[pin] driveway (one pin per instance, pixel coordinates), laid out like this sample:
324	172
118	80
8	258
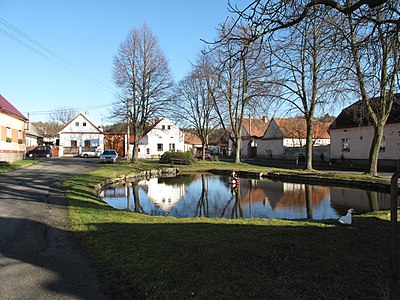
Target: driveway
38	256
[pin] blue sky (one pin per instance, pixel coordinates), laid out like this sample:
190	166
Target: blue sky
83	37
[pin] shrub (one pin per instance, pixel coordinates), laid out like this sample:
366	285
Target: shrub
167	156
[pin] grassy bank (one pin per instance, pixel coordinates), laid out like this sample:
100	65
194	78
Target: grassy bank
6	167
168	258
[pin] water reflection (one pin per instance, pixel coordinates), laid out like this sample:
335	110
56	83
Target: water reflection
212	196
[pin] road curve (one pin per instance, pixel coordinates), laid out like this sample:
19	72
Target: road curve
38	256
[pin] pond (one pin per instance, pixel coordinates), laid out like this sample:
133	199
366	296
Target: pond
205	195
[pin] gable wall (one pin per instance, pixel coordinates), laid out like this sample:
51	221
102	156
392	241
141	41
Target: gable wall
359	147
165	136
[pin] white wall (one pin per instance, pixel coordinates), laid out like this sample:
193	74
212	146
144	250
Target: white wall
361	139
165	133
11	151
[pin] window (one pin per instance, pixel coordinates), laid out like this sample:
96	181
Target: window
382	148
84	124
159	147
171	147
169	127
76	124
8	135
20	140
87	144
148	150
74	144
163	127
345	145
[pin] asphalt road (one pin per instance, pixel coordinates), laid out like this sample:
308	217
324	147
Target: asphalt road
38	256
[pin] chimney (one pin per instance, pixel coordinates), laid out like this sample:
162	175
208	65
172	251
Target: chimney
265	119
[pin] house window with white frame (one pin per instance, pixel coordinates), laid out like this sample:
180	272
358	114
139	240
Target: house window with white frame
159	147
163	127
172	147
382	147
84	124
9	135
74	143
345	144
20	137
76	124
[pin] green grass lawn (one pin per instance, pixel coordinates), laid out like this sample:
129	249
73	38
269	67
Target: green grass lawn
6	167
168	258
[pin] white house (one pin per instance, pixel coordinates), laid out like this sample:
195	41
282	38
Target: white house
78	135
163	136
12	132
286	138
352	134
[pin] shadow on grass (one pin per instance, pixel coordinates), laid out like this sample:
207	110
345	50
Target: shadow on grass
176	259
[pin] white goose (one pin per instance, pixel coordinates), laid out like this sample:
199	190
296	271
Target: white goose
347	218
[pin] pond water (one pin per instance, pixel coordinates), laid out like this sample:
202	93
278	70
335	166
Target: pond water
204	195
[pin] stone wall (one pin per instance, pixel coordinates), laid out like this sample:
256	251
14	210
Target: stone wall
11	157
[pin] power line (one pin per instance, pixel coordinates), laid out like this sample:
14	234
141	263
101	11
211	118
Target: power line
45	52
86	108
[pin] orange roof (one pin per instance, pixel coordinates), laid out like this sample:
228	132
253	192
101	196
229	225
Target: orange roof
296	128
255	127
192	139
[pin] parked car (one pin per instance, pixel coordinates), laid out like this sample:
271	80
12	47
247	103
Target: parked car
109	155
44	151
91	153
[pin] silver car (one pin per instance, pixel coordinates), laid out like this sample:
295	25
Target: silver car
91	153
109	155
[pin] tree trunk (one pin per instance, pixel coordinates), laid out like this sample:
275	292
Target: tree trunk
237	151
135	152
374	150
203	151
309	146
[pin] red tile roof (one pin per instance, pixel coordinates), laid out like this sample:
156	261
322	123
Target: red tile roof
296	128
255	127
9	108
192	139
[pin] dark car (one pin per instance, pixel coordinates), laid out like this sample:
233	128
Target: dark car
40	151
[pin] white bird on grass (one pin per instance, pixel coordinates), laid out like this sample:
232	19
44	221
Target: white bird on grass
347	218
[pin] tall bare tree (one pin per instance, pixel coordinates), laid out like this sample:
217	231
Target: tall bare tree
307	67
194	102
241	72
63	115
374	51
142	74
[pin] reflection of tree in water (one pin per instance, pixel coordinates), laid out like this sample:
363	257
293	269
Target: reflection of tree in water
309	206
202	207
237	211
135	192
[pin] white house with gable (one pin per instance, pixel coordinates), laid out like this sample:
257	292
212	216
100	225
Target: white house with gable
163	136
79	135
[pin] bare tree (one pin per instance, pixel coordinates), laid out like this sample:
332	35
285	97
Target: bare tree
241	72
63	115
143	76
374	50
307	67
265	17
194	102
